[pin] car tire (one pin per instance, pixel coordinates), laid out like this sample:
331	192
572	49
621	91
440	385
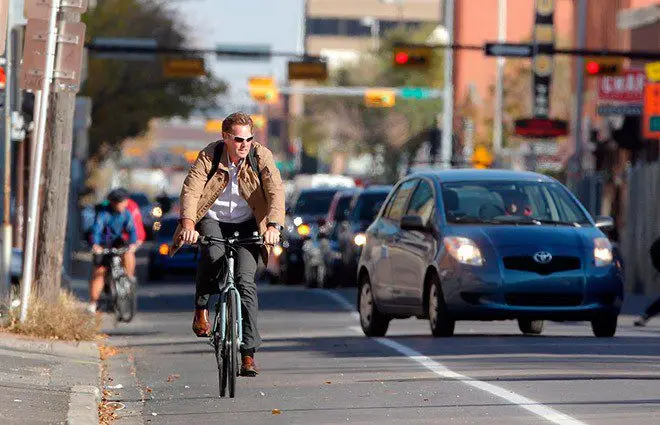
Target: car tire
441	323
604	326
373	322
530	327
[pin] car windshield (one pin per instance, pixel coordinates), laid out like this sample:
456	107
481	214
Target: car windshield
342	208
507	202
314	203
367	206
140	199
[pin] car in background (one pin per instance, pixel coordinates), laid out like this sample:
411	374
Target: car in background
321	251
149	211
364	207
305	214
159	261
487	245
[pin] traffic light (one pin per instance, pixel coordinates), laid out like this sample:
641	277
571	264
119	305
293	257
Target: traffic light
379	98
600	67
418	57
3	78
263	89
482	158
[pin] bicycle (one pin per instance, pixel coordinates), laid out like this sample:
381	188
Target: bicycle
227	333
122	289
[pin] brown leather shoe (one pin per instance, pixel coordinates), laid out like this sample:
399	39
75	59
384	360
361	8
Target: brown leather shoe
201	325
249	367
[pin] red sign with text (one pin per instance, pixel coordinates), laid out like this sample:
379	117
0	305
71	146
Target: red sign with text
628	87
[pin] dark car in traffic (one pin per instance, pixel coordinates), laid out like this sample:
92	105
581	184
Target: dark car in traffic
160	263
487	245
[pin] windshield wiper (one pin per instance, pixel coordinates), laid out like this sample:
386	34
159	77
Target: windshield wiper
470	219
537	221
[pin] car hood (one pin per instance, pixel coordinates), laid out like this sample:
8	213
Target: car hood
529	235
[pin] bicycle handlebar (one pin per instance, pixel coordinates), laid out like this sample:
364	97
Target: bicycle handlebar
115	251
207	240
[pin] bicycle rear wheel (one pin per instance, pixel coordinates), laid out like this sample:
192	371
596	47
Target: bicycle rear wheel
126	299
232	347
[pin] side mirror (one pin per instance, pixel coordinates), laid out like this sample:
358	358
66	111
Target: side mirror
413	222
605	223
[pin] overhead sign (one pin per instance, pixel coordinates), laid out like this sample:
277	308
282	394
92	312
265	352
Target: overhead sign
379	98
263	89
40	9
117	48
628	87
625	109
652	71
651	116
242	52
183	67
509	49
540	128
308	70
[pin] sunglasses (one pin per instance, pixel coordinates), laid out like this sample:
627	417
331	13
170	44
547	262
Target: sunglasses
241	139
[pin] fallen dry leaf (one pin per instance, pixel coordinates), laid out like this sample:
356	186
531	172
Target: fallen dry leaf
171	378
149	390
276	412
328	382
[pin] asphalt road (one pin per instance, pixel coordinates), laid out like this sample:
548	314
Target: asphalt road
318	368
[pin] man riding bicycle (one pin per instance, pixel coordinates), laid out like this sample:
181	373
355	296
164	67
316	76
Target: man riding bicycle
233	186
114	227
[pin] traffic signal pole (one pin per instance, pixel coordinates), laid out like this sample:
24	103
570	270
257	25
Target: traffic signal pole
446	148
576	163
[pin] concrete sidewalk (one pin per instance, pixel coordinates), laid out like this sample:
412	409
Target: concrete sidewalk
48	382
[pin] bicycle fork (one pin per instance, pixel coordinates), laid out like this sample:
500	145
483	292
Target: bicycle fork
230	291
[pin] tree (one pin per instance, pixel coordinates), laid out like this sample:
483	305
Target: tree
356	128
127	94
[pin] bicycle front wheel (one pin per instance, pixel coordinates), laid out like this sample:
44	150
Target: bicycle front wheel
220	356
232	344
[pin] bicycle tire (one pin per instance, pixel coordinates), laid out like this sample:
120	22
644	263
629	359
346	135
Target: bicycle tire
220	354
124	301
232	337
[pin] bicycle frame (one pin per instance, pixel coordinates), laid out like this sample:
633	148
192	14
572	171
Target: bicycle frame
221	306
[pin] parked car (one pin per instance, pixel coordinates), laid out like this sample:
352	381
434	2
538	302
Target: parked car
160	262
487	245
321	251
306	212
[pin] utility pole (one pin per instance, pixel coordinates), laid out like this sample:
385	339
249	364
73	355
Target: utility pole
5	279
54	130
499	93
576	163
448	100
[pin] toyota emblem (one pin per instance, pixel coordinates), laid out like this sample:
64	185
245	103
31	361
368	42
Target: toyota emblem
542	257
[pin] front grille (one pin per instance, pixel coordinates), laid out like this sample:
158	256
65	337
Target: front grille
543	300
527	264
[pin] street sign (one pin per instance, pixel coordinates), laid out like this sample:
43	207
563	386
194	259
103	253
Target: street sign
379	98
308	70
183	67
651	116
626	109
68	62
540	128
415	93
509	49
652	71
263	89
628	88
416	57
243	52
40	9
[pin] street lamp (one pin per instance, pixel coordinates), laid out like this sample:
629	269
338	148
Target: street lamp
374	25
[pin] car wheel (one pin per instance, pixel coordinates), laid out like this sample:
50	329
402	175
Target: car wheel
530	327
604	326
373	322
442	325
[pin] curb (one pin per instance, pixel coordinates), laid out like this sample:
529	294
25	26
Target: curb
87	349
83	405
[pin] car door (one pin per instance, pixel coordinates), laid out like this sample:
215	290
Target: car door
393	249
414	247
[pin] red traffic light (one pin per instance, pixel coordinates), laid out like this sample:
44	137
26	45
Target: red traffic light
401	58
593	67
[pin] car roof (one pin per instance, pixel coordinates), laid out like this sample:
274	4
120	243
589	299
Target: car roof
376	189
465	174
324	189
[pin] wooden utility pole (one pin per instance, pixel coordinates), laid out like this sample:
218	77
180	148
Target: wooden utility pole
56	181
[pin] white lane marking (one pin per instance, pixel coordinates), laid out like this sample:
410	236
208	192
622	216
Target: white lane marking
439	369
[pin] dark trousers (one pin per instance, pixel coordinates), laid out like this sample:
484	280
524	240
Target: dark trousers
212	265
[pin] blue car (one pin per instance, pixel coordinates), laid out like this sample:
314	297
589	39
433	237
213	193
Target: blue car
160	261
487	245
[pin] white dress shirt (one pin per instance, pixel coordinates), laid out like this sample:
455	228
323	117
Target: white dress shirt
230	207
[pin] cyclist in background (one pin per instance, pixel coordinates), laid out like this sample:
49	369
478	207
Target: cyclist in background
114	227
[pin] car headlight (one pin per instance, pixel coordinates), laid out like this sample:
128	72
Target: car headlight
602	252
304	230
157	212
297	221
360	239
464	250
277	250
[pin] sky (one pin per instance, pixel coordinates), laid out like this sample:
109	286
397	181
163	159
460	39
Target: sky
243	22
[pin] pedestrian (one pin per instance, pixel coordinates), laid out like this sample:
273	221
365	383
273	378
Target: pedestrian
654	308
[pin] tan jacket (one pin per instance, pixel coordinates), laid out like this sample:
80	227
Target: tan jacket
197	196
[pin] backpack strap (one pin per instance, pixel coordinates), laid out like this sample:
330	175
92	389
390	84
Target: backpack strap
253	158
215	162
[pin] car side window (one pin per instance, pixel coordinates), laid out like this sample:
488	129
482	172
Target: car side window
421	203
400	200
